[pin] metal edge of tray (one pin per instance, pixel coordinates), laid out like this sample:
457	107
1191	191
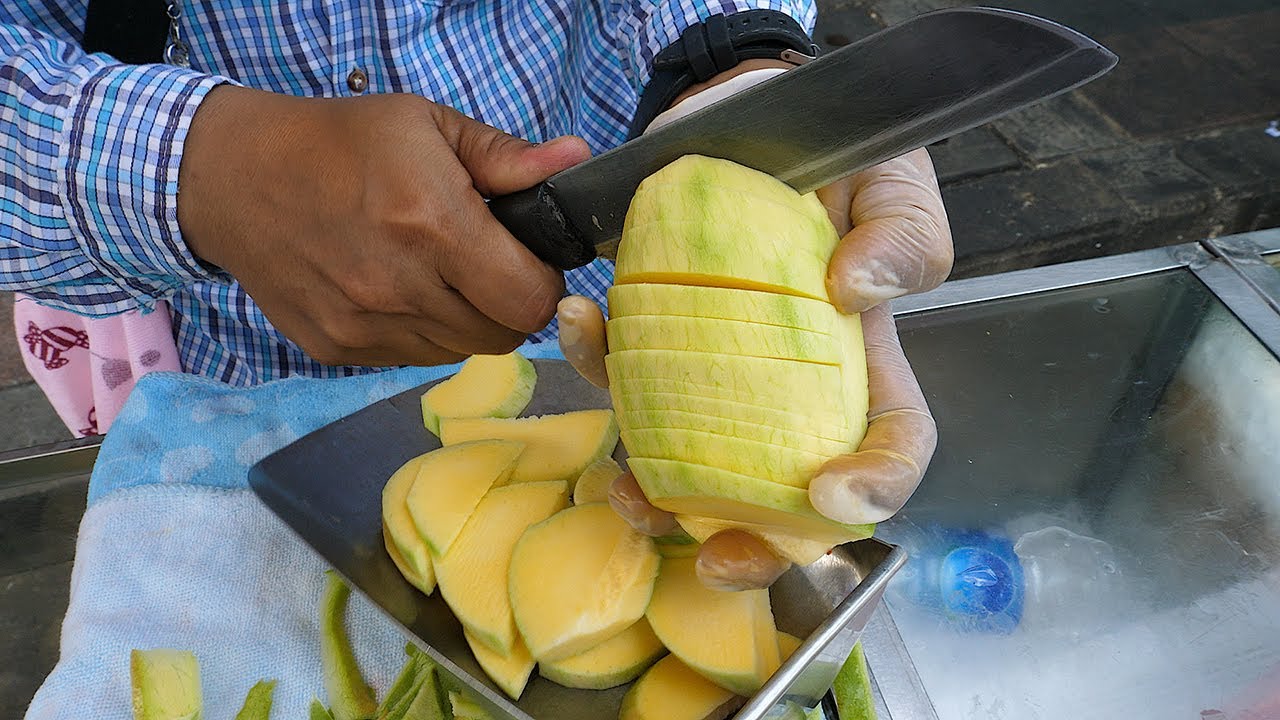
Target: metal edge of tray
1247	254
22	467
1030	281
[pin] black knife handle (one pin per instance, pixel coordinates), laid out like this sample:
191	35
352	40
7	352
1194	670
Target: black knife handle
534	217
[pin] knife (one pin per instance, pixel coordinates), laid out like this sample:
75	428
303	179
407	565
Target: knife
905	87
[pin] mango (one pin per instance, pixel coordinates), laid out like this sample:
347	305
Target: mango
579	578
787	645
350	696
498	386
616	661
727	637
647	397
671	690
725	303
593	484
166	685
825	414
472	576
784	544
466	709
426	585
557	447
771	463
509	671
450	482
663	419
729	337
411	554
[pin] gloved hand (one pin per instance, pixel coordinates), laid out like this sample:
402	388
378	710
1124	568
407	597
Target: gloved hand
895	241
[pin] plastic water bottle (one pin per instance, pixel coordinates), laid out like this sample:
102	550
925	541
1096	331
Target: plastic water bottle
978	580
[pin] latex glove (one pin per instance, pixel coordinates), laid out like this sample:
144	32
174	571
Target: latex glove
895	241
359	226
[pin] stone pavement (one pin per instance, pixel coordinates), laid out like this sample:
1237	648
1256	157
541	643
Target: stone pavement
1169	147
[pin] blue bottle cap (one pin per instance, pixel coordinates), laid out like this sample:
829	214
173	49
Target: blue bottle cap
981	584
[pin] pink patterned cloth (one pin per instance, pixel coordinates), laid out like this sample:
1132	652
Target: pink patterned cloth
88	366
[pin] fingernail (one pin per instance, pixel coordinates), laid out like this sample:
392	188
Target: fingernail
733	561
833	495
863	287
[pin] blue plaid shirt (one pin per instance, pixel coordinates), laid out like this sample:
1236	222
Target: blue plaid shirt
89	147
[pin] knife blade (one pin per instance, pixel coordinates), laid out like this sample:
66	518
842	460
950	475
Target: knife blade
902	88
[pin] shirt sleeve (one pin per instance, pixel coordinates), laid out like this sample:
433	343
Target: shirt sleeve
645	27
89	156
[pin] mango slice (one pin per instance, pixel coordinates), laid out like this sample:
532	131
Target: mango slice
510	671
166	684
727	637
646	418
773	463
557	447
651	396
764	308
411	556
671	690
593	484
466	709
690	489
787	645
616	661
729	337
578	579
472	576
498	386
450	482
782	541
350	696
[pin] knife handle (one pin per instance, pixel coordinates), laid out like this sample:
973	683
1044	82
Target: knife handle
534	217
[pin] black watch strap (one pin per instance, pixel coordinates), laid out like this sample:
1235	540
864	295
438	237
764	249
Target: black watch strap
713	46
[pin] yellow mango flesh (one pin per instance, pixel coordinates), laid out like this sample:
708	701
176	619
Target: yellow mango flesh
557	447
664	419
593	484
727	637
579	578
826	416
509	671
781	540
632	396
695	205
690	489
616	661
411	553
729	337
773	463
787	645
450	482
486	386
765	308
671	690
776	383
472	576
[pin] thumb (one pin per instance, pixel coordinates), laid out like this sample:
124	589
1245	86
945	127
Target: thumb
499	163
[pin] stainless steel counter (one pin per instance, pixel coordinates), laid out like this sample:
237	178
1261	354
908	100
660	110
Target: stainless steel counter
1108	431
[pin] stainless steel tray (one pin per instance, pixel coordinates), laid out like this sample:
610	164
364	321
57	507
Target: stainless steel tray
327	487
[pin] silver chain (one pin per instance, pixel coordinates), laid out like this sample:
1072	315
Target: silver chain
175	52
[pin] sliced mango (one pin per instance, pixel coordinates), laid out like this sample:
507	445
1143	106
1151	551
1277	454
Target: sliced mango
578	579
678	550
498	386
662	419
557	447
450	482
724	303
671	690
616	661
472	576
783	543
466	709
787	645
773	463
166	684
727	637
689	489
651	395
729	337
411	555
510	670
593	484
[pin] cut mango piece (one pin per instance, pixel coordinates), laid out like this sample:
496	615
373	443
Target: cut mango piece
465	708
678	550
799	550
671	690
426	584
578	579
650	394
499	386
473	575
398	525
350	696
728	337
765	308
825	415
557	447
787	645
593	484
450	482
783	384
689	489
661	419
509	671
616	661
773	463
727	637
166	684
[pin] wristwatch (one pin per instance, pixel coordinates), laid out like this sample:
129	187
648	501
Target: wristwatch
715	45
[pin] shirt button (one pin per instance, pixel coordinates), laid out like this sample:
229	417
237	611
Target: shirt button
357	81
